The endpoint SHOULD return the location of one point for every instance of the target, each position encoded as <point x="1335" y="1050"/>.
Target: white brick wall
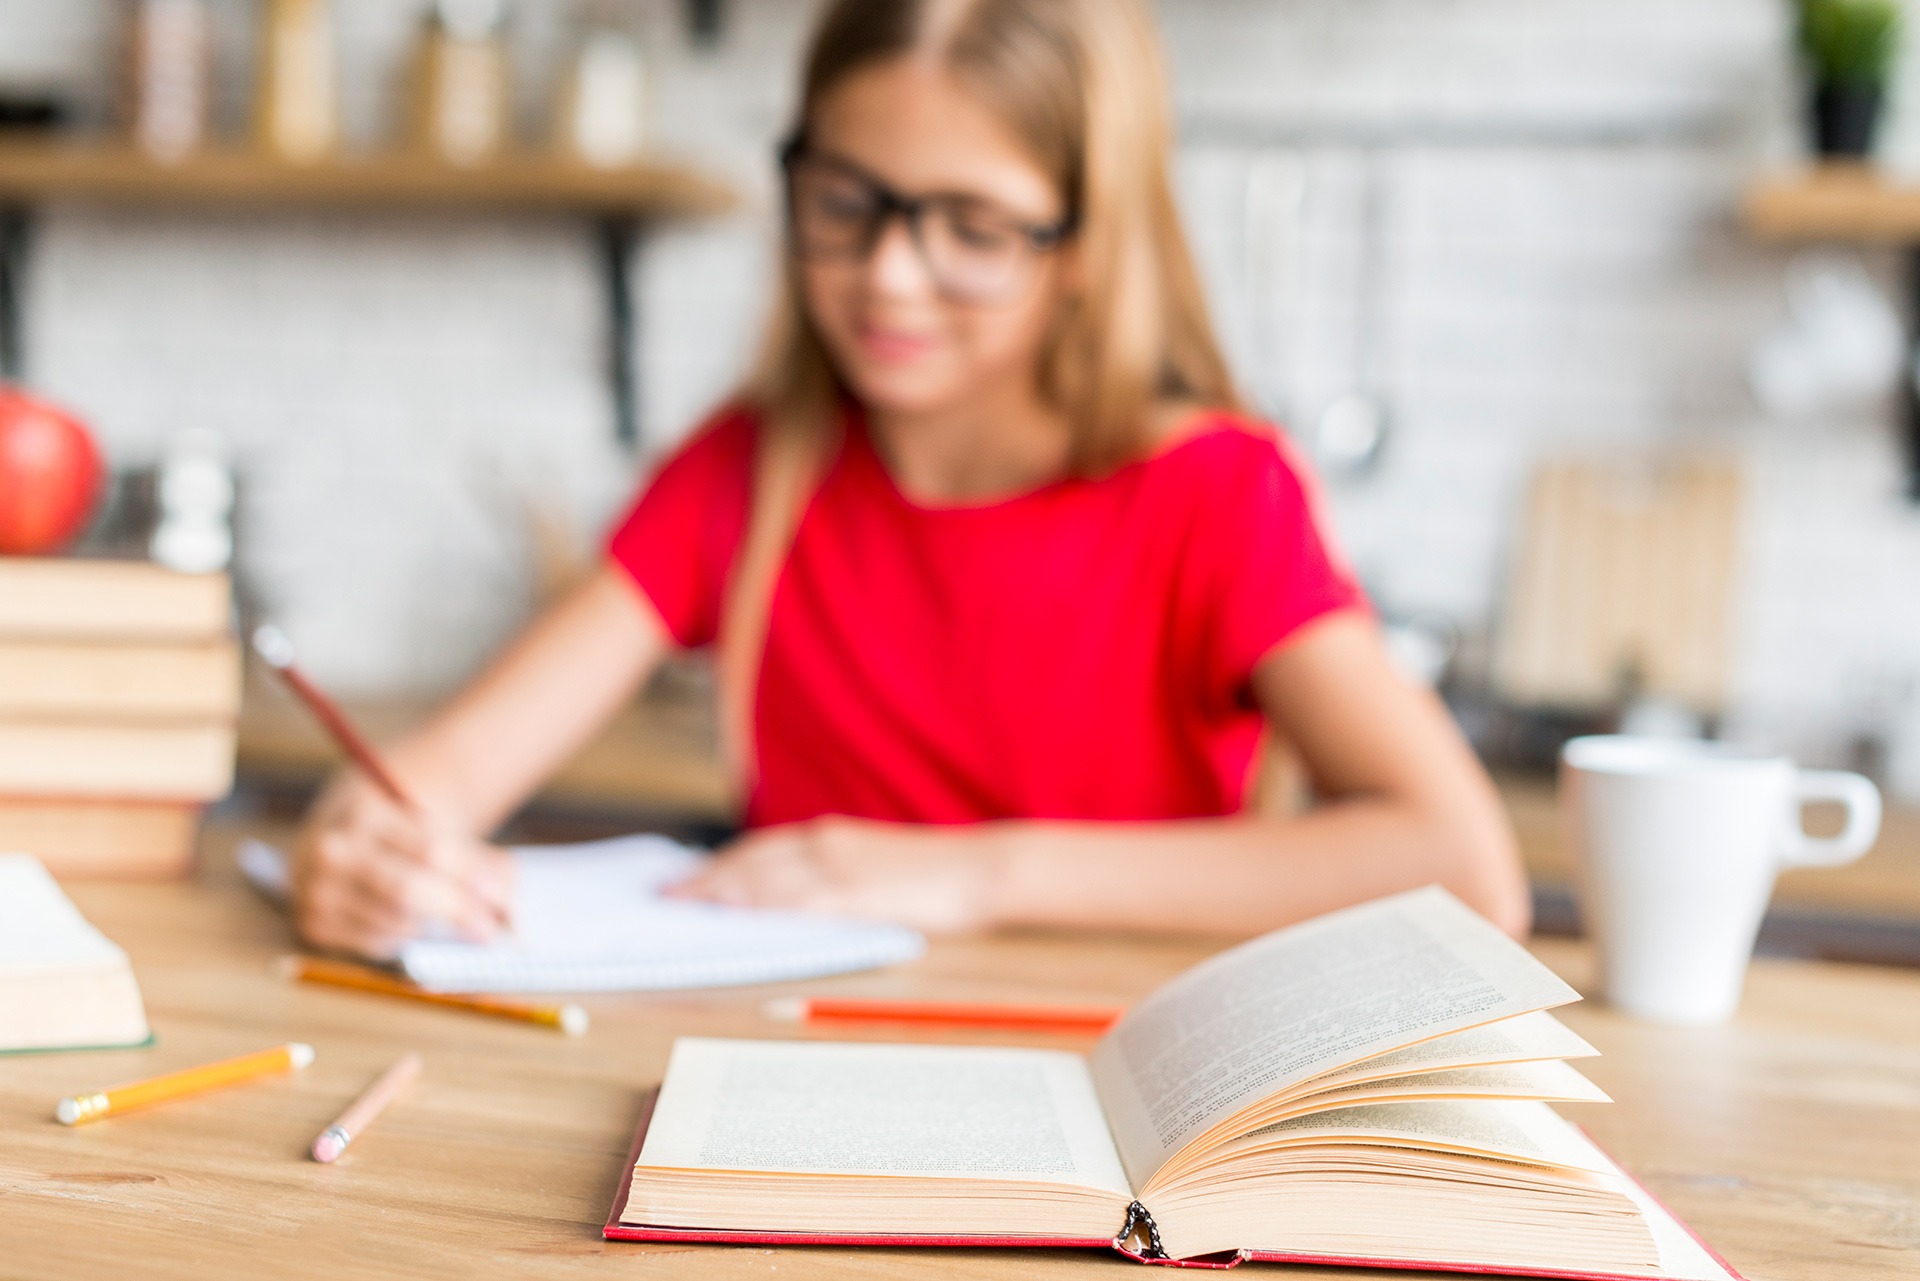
<point x="1559" y="270"/>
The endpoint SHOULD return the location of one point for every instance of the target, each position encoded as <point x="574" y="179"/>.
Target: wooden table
<point x="1790" y="1139"/>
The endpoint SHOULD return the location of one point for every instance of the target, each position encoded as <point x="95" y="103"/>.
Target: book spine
<point x="1138" y="1220"/>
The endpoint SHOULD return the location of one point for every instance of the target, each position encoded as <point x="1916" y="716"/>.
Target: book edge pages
<point x="1657" y="1215"/>
<point x="615" y="1230"/>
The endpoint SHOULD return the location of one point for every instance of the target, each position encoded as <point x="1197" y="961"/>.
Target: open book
<point x="1369" y="1087"/>
<point x="63" y="984"/>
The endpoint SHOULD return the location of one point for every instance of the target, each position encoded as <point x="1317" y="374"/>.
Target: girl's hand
<point x="369" y="874"/>
<point x="935" y="879"/>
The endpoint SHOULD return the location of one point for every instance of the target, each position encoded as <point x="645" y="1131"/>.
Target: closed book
<point x="1371" y="1088"/>
<point x="116" y="762"/>
<point x="122" y="682"/>
<point x="73" y="599"/>
<point x="105" y="840"/>
<point x="63" y="984"/>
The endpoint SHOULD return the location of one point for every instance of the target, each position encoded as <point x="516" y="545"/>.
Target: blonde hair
<point x="1080" y="83"/>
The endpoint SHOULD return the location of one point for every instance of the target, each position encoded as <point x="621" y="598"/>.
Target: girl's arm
<point x="368" y="873"/>
<point x="1404" y="803"/>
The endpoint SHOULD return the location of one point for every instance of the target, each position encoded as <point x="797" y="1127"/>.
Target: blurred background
<point x="1608" y="381"/>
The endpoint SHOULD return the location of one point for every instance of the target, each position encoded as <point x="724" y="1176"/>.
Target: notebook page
<point x="589" y="918"/>
<point x="934" y="1111"/>
<point x="40" y="928"/>
<point x="1303" y="1001"/>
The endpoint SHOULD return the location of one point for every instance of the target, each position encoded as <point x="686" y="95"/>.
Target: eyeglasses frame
<point x="1041" y="238"/>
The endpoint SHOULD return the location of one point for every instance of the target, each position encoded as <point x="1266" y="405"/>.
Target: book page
<point x="1299" y="1003"/>
<point x="40" y="928"/>
<point x="932" y="1111"/>
<point x="1530" y="1038"/>
<point x="1530" y="1132"/>
<point x="1551" y="1080"/>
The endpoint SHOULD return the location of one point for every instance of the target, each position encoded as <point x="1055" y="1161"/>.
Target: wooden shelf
<point x="1834" y="202"/>
<point x="34" y="172"/>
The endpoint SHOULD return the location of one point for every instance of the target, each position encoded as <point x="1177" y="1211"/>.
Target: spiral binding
<point x="1137" y="1216"/>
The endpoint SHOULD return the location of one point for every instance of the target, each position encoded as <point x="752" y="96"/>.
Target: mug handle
<point x="1862" y="800"/>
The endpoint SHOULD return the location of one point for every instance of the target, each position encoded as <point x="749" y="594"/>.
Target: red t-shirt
<point x="1080" y="651"/>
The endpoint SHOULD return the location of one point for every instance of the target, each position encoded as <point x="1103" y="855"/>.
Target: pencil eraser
<point x="785" y="1009"/>
<point x="300" y="1054"/>
<point x="272" y="645"/>
<point x="327" y="1148"/>
<point x="573" y="1020"/>
<point x="67" y="1111"/>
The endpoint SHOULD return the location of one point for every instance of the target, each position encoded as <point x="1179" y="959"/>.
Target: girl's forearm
<point x="1245" y="875"/>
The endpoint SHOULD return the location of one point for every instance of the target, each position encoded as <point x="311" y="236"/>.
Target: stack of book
<point x="119" y="695"/>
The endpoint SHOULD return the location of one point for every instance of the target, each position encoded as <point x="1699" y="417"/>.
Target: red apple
<point x="50" y="473"/>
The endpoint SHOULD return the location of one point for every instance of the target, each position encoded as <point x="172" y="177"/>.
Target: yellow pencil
<point x="570" y="1019"/>
<point x="82" y="1108"/>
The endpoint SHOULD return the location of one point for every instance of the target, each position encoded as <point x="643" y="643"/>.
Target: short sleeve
<point x="1274" y="566"/>
<point x="678" y="539"/>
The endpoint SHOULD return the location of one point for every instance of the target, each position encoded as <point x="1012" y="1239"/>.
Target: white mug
<point x="1675" y="846"/>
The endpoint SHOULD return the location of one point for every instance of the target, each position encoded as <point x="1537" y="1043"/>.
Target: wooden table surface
<point x="1790" y="1138"/>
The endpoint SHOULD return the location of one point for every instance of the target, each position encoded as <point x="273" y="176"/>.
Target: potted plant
<point x="1850" y="47"/>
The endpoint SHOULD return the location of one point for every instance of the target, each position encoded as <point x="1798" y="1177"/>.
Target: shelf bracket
<point x="705" y="20"/>
<point x="16" y="234"/>
<point x="619" y="240"/>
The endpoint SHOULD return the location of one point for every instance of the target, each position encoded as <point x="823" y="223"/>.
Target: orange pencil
<point x="82" y="1108"/>
<point x="570" y="1019"/>
<point x="1088" y="1019"/>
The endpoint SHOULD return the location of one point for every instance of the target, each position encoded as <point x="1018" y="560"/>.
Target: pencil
<point x="1089" y="1019"/>
<point x="363" y="1111"/>
<point x="82" y="1108"/>
<point x="277" y="652"/>
<point x="570" y="1019"/>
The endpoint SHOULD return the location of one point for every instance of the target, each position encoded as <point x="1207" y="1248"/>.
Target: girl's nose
<point x="896" y="268"/>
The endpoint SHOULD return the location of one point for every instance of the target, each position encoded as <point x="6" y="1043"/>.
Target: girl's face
<point x="916" y="324"/>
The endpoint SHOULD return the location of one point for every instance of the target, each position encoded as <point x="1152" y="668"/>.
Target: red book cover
<point x="615" y="1230"/>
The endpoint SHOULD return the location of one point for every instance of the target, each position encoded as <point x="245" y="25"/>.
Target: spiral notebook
<point x="590" y="918"/>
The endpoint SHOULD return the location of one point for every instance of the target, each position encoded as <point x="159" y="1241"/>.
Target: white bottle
<point x="603" y="117"/>
<point x="195" y="492"/>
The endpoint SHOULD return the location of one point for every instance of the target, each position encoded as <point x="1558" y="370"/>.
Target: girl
<point x="1006" y="590"/>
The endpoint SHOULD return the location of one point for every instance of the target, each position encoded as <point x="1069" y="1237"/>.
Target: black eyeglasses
<point x="975" y="250"/>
